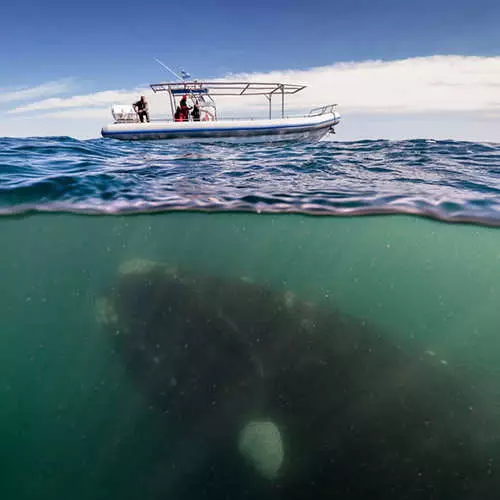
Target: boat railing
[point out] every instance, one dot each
(133, 117)
(322, 110)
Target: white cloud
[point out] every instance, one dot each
(417, 85)
(77, 114)
(43, 90)
(106, 97)
(438, 96)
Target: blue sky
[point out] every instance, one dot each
(94, 46)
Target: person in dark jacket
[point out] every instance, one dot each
(195, 113)
(141, 108)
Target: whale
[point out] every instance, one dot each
(268, 395)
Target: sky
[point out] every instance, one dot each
(397, 69)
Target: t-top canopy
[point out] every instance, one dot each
(226, 88)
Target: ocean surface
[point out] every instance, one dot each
(445, 179)
(159, 302)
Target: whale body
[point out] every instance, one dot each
(348, 413)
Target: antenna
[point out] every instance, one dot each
(166, 67)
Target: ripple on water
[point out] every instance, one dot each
(451, 180)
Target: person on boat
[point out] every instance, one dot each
(141, 108)
(195, 113)
(184, 108)
(178, 116)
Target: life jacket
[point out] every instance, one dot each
(178, 117)
(185, 112)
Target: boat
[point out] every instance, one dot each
(319, 122)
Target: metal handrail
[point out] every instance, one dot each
(167, 118)
(322, 110)
(228, 88)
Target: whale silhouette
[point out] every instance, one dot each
(332, 407)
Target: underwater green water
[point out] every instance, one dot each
(72, 425)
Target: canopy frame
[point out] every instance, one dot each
(226, 88)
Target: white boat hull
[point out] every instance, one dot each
(311, 128)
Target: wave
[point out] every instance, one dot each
(450, 180)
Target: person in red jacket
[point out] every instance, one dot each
(184, 108)
(178, 117)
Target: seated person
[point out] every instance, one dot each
(195, 114)
(184, 108)
(141, 108)
(179, 116)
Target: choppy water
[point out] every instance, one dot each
(79, 420)
(446, 179)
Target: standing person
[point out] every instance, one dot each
(141, 108)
